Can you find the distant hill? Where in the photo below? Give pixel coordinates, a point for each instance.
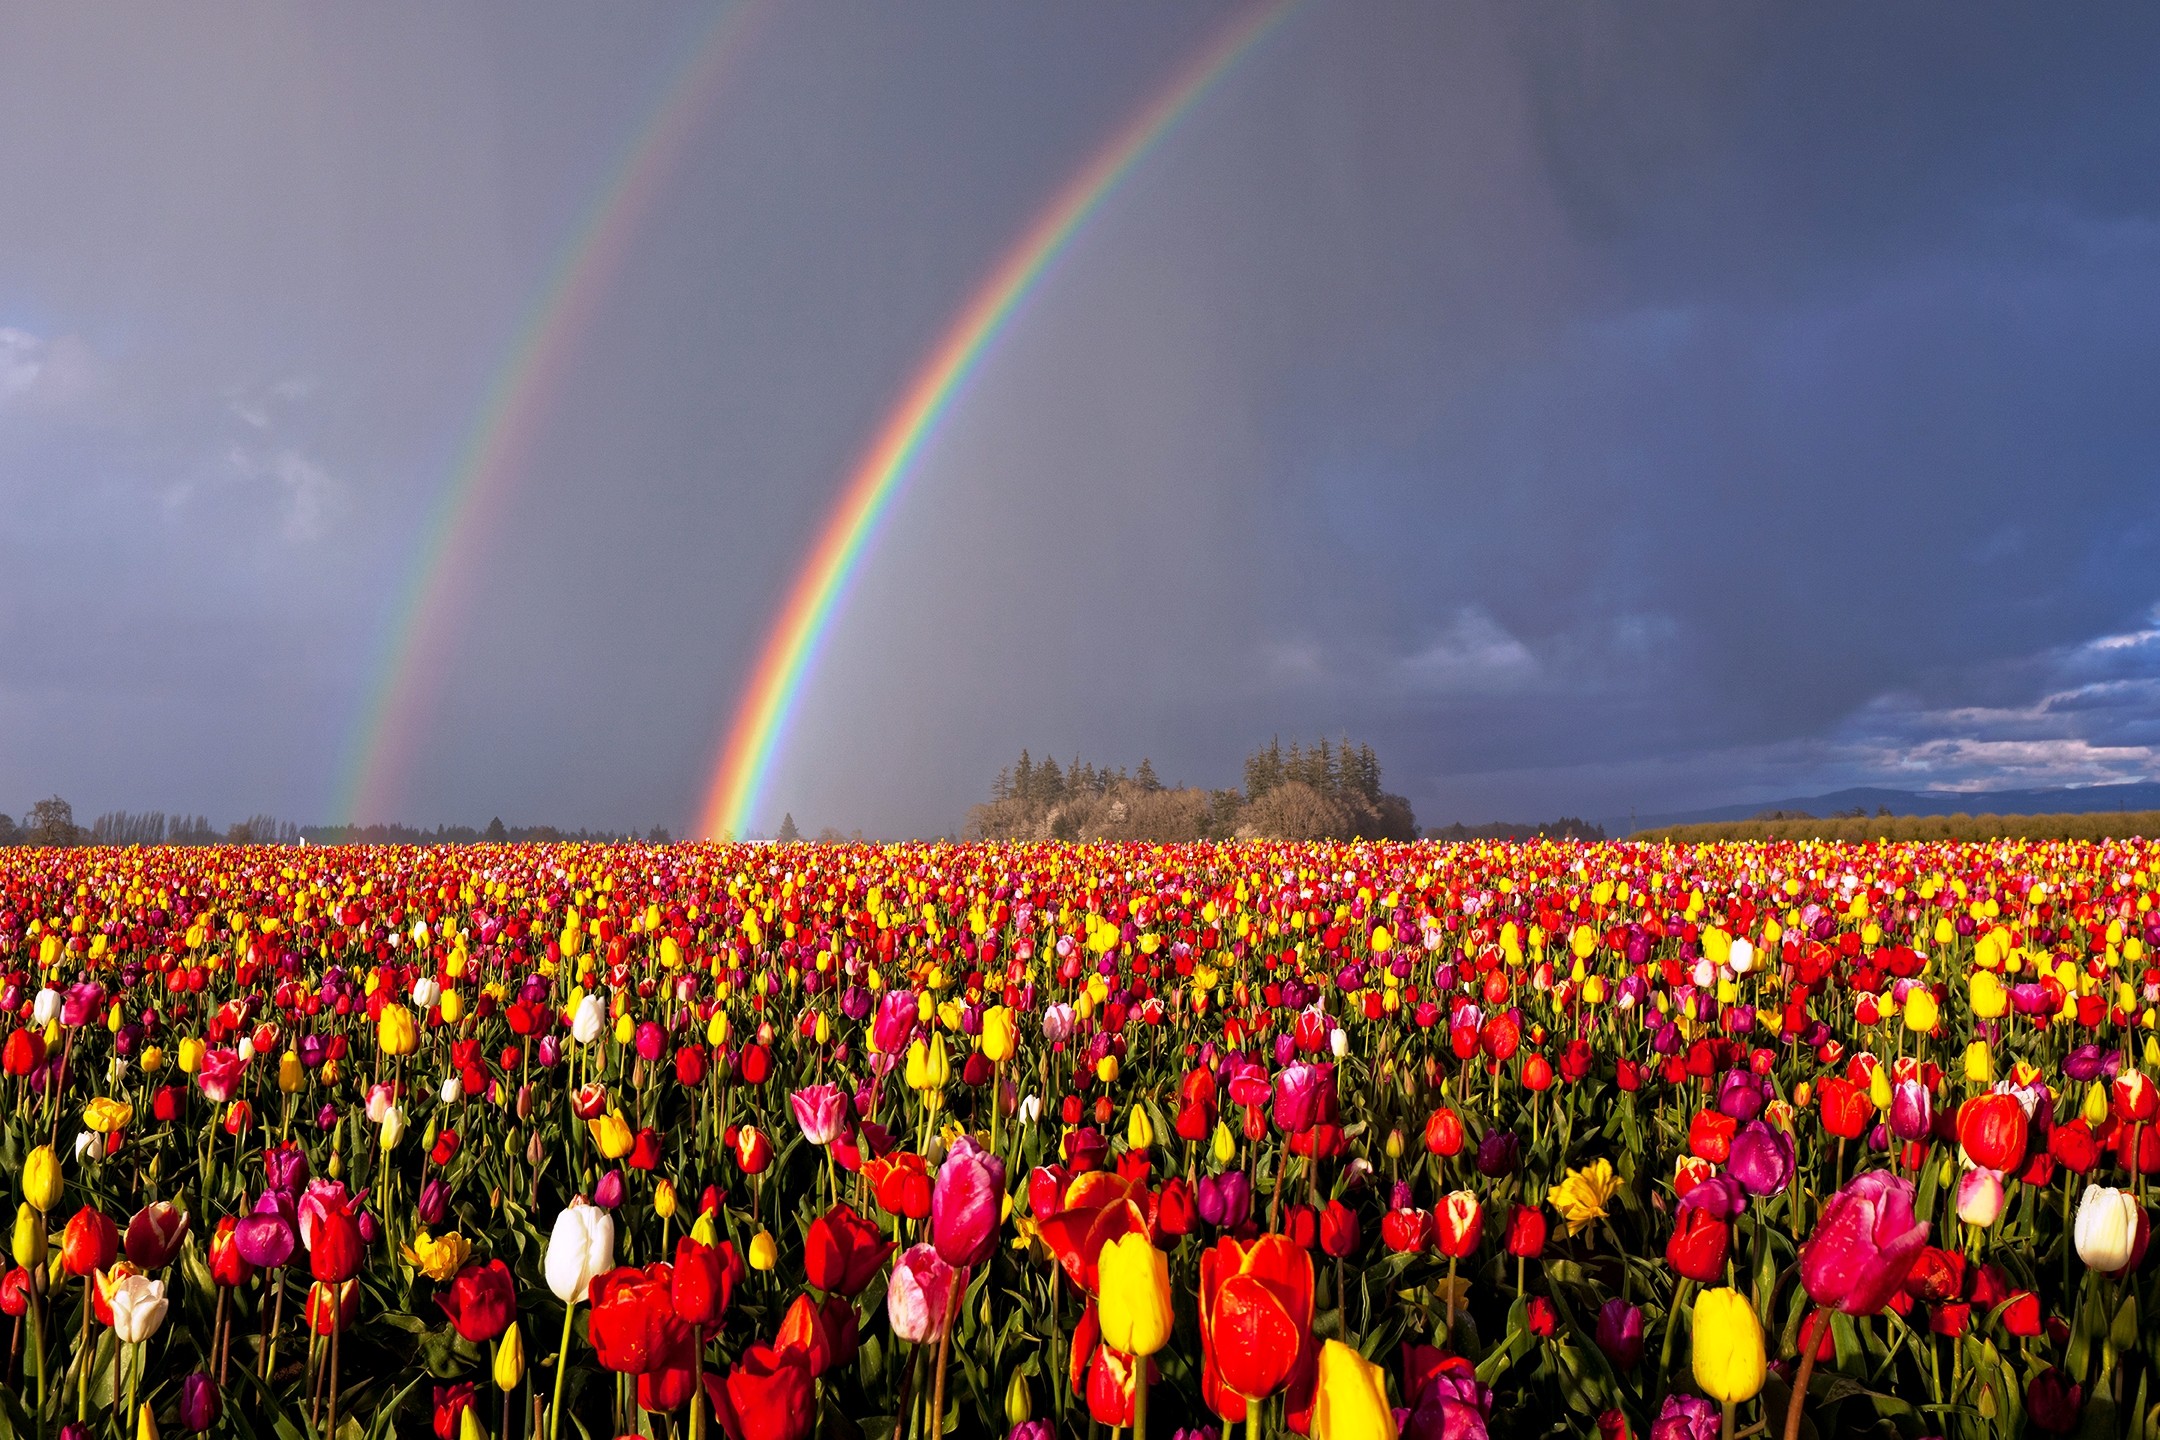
(2066, 800)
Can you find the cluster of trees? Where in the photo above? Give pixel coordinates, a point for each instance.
(1567, 827)
(1326, 790)
(52, 822)
(1858, 812)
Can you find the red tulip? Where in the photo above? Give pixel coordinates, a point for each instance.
(1459, 1224)
(769, 1395)
(154, 1235)
(89, 1244)
(481, 1301)
(1846, 1108)
(843, 1252)
(1993, 1129)
(1339, 1236)
(634, 1327)
(336, 1252)
(1406, 1231)
(825, 1333)
(1444, 1133)
(901, 1183)
(1256, 1309)
(1697, 1247)
(1526, 1232)
(228, 1267)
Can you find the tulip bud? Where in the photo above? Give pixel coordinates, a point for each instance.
(510, 1359)
(1224, 1145)
(1019, 1405)
(29, 1238)
(1139, 1134)
(663, 1200)
(41, 1182)
(764, 1253)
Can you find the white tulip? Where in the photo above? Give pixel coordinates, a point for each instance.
(2107, 1227)
(426, 992)
(247, 1048)
(393, 1127)
(1703, 975)
(581, 1247)
(586, 1020)
(1030, 1109)
(138, 1308)
(1339, 1041)
(45, 1008)
(453, 1089)
(1742, 958)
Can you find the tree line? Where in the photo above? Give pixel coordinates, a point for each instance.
(1305, 792)
(52, 822)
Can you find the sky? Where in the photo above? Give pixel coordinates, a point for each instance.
(1595, 408)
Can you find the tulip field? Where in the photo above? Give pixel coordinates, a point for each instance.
(528, 1142)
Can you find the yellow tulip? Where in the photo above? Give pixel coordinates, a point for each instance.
(1134, 1300)
(1729, 1356)
(1921, 1011)
(291, 1074)
(663, 1199)
(438, 1257)
(764, 1254)
(29, 1238)
(612, 1134)
(1224, 1145)
(191, 1053)
(105, 1114)
(395, 1033)
(1989, 998)
(1139, 1134)
(1350, 1397)
(999, 1037)
(510, 1360)
(1979, 1063)
(41, 1180)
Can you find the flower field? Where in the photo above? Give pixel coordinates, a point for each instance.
(1337, 1139)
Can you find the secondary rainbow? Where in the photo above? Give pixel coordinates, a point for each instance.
(417, 647)
(791, 647)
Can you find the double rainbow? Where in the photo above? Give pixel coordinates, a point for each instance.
(417, 643)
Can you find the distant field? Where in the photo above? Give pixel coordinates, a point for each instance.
(1857, 829)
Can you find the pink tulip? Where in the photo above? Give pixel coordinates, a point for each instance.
(1304, 1095)
(219, 1074)
(895, 1022)
(919, 1299)
(966, 1203)
(1864, 1245)
(822, 1112)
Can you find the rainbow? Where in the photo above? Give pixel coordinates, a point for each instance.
(416, 650)
(798, 634)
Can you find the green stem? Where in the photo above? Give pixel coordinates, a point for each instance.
(562, 1366)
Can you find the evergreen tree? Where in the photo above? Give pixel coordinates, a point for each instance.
(789, 834)
(1050, 782)
(1024, 777)
(1001, 788)
(495, 830)
(1146, 778)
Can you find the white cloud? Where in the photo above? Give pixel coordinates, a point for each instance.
(1474, 655)
(309, 497)
(39, 373)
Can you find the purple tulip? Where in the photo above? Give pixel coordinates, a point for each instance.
(608, 1194)
(434, 1202)
(1742, 1095)
(1912, 1110)
(199, 1405)
(1685, 1417)
(1762, 1159)
(1720, 1195)
(285, 1169)
(1498, 1154)
(1620, 1332)
(266, 1238)
(1225, 1200)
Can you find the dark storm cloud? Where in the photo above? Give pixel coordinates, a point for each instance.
(1595, 408)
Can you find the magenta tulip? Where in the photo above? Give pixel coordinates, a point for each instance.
(966, 1204)
(1864, 1245)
